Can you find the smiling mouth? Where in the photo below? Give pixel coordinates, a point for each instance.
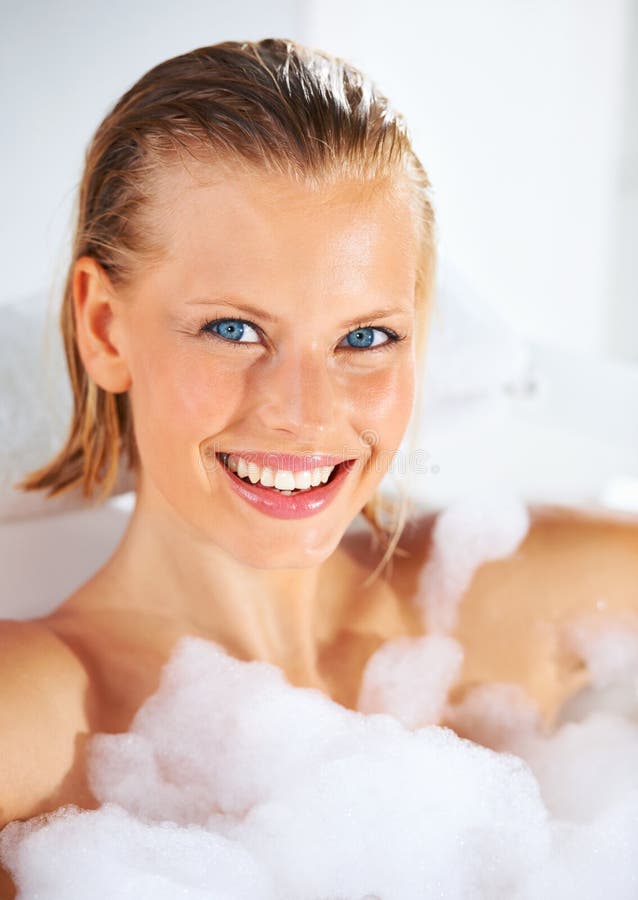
(223, 458)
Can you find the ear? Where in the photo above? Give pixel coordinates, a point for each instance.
(98, 318)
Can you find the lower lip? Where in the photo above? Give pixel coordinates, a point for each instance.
(293, 506)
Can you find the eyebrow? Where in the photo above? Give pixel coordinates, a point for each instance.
(258, 313)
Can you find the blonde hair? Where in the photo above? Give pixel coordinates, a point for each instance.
(273, 105)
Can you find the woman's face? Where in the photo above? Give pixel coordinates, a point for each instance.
(260, 331)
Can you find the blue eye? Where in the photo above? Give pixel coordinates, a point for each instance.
(360, 338)
(363, 337)
(232, 330)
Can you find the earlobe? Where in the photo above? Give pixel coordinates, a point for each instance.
(99, 340)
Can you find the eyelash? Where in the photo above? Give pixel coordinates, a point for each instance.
(394, 338)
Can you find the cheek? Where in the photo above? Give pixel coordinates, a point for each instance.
(384, 403)
(205, 396)
(178, 399)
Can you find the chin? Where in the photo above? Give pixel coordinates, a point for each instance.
(295, 555)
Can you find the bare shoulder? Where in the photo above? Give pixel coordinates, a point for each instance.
(575, 527)
(42, 720)
(574, 557)
(587, 550)
(513, 611)
(569, 563)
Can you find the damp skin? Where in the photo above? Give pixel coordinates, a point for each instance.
(310, 261)
(307, 260)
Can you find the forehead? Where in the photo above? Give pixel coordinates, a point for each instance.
(223, 225)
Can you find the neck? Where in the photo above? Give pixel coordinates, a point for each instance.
(277, 615)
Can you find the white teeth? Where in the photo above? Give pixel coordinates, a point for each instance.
(282, 479)
(254, 472)
(302, 480)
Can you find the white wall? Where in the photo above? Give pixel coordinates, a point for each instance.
(515, 108)
(62, 65)
(623, 323)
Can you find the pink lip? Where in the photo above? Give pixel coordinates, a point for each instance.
(286, 460)
(295, 506)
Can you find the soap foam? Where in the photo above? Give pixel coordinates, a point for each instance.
(231, 783)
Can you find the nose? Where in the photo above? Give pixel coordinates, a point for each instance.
(297, 394)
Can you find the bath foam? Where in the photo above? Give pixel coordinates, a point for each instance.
(231, 783)
(410, 678)
(473, 530)
(608, 644)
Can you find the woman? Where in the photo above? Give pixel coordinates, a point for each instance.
(244, 321)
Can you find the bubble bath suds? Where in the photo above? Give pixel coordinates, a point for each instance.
(233, 784)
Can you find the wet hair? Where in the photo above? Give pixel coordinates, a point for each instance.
(271, 106)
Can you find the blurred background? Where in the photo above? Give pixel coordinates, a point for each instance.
(525, 116)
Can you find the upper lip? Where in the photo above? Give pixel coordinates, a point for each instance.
(288, 461)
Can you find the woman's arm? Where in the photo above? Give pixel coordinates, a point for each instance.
(513, 617)
(43, 723)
